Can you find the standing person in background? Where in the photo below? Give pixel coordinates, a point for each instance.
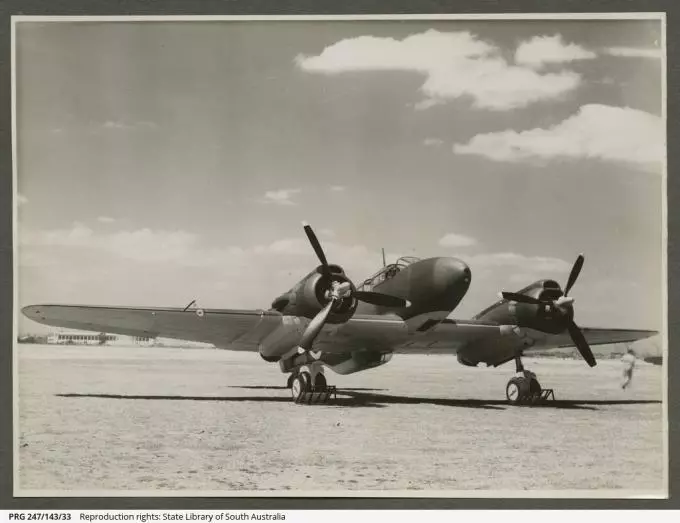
(628, 361)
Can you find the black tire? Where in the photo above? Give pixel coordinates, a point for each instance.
(320, 382)
(300, 385)
(535, 387)
(289, 383)
(516, 390)
(307, 379)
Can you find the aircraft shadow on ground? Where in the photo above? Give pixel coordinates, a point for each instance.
(359, 398)
(283, 387)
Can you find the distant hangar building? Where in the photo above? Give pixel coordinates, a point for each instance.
(66, 337)
(95, 338)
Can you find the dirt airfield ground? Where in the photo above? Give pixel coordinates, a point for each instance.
(160, 419)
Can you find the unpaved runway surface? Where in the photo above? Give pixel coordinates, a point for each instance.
(111, 418)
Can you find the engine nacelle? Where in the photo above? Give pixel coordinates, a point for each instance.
(356, 361)
(465, 361)
(542, 317)
(310, 295)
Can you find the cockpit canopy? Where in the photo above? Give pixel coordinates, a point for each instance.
(543, 290)
(387, 272)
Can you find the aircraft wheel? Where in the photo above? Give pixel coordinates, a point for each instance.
(320, 381)
(289, 383)
(301, 384)
(534, 387)
(516, 390)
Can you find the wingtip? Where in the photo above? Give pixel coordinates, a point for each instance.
(28, 309)
(31, 311)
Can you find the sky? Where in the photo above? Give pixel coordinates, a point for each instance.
(161, 162)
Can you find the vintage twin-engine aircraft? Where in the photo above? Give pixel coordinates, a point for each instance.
(325, 321)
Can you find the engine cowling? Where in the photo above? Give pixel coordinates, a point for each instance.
(544, 316)
(310, 295)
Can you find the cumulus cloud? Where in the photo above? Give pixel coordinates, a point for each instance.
(635, 52)
(338, 188)
(432, 142)
(280, 197)
(105, 219)
(457, 240)
(595, 131)
(455, 64)
(422, 105)
(529, 264)
(542, 50)
(142, 245)
(156, 267)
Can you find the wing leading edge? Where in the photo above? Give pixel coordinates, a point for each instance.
(245, 329)
(593, 335)
(238, 329)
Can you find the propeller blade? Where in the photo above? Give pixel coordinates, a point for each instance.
(573, 275)
(318, 250)
(315, 326)
(520, 298)
(381, 300)
(581, 343)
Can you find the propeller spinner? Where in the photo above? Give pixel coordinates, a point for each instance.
(337, 292)
(564, 308)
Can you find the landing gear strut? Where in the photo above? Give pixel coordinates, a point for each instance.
(524, 387)
(308, 385)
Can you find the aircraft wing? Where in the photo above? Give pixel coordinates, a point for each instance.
(390, 333)
(594, 336)
(237, 329)
(245, 329)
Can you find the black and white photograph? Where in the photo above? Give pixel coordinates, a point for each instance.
(340, 256)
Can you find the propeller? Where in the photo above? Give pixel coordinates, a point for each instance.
(318, 250)
(338, 291)
(581, 343)
(563, 304)
(573, 275)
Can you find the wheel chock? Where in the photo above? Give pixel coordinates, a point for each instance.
(317, 395)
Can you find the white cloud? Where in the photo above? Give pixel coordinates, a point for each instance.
(596, 131)
(529, 264)
(542, 50)
(456, 240)
(142, 245)
(77, 236)
(21, 199)
(105, 219)
(121, 125)
(432, 142)
(455, 64)
(79, 264)
(427, 103)
(281, 197)
(338, 188)
(635, 52)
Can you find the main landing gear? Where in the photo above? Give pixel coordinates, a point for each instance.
(524, 388)
(308, 385)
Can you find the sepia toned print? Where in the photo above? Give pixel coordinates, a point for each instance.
(340, 257)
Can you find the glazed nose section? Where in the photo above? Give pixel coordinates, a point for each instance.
(451, 278)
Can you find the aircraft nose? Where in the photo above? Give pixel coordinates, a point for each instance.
(451, 281)
(451, 275)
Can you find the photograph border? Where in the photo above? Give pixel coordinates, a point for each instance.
(351, 496)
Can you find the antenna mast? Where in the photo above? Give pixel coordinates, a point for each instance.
(383, 253)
